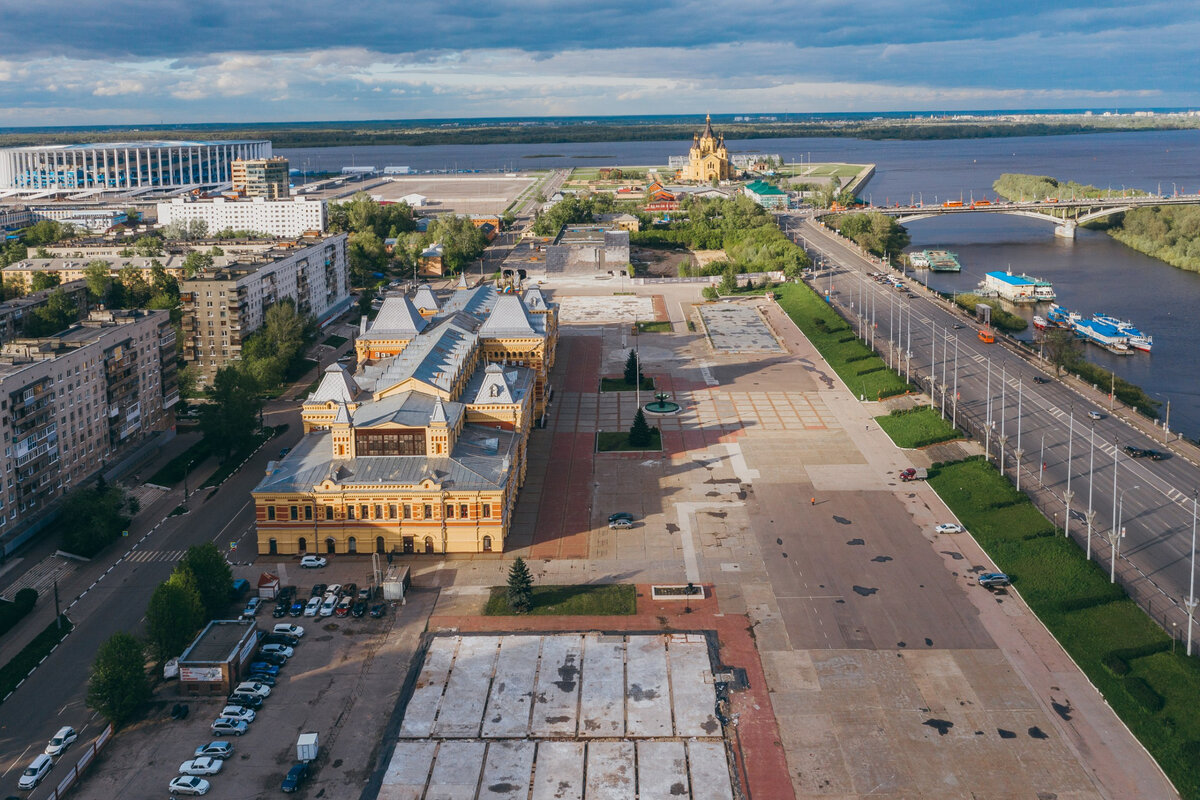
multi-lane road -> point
(1064, 449)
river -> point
(1092, 273)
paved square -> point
(738, 329)
(586, 716)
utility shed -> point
(214, 662)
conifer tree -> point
(639, 434)
(632, 373)
(520, 587)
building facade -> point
(125, 165)
(226, 304)
(708, 159)
(261, 177)
(765, 194)
(286, 218)
(13, 313)
(423, 450)
(73, 402)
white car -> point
(189, 784)
(238, 712)
(201, 766)
(34, 773)
(289, 629)
(61, 741)
(329, 605)
(313, 562)
(281, 649)
(1095, 415)
(313, 607)
(254, 688)
(949, 527)
(334, 589)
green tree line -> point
(1021, 187)
(876, 233)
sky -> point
(67, 62)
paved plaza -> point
(737, 329)
(565, 717)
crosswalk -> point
(155, 555)
(40, 576)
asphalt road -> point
(55, 694)
(1153, 499)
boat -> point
(1137, 340)
(1060, 317)
(942, 261)
(1016, 288)
(918, 260)
(1103, 334)
(1039, 322)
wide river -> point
(1092, 273)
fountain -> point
(661, 405)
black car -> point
(318, 590)
(349, 590)
(620, 515)
(245, 700)
(297, 609)
(263, 678)
(281, 638)
(358, 609)
(272, 658)
(378, 610)
(1040, 379)
(287, 594)
(281, 610)
(296, 776)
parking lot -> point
(341, 683)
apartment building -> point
(14, 312)
(226, 304)
(261, 177)
(73, 403)
(286, 218)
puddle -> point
(718, 514)
(841, 520)
(942, 726)
(779, 541)
(785, 555)
(1061, 710)
(856, 542)
(865, 591)
(672, 527)
(636, 692)
(928, 642)
(901, 644)
(1037, 733)
(840, 601)
(882, 559)
(955, 556)
(1006, 734)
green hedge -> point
(18, 668)
(13, 612)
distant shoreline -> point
(562, 131)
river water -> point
(1090, 274)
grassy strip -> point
(1154, 690)
(172, 472)
(1128, 393)
(606, 599)
(917, 427)
(862, 370)
(619, 385)
(18, 668)
(661, 326)
(234, 462)
(1001, 319)
(618, 442)
(333, 340)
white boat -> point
(1136, 339)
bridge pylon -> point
(1066, 230)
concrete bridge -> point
(1064, 214)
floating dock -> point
(1016, 288)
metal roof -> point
(336, 385)
(510, 318)
(397, 317)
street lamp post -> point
(1091, 512)
(1117, 534)
(1068, 495)
(1191, 601)
(954, 408)
(185, 485)
(1042, 462)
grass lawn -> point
(172, 471)
(231, 464)
(863, 371)
(663, 326)
(606, 599)
(31, 655)
(1155, 691)
(618, 442)
(917, 427)
(619, 385)
(333, 340)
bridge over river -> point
(1064, 214)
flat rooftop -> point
(218, 642)
(588, 716)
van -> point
(34, 773)
(239, 588)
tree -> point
(367, 256)
(211, 576)
(118, 686)
(148, 246)
(230, 419)
(1063, 349)
(174, 614)
(633, 372)
(729, 284)
(92, 518)
(639, 433)
(44, 280)
(98, 276)
(520, 587)
(196, 261)
(56, 314)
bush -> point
(1115, 664)
(1144, 695)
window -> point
(462, 511)
(378, 511)
(363, 511)
(407, 511)
(308, 512)
(392, 511)
(270, 512)
(428, 511)
(293, 512)
(487, 510)
(449, 511)
(349, 512)
(487, 544)
(328, 512)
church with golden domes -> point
(708, 158)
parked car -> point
(273, 658)
(993, 580)
(264, 668)
(265, 678)
(280, 638)
(313, 607)
(60, 741)
(297, 609)
(296, 776)
(251, 701)
(378, 610)
(318, 590)
(287, 594)
(289, 629)
(620, 523)
(189, 784)
(359, 608)
(216, 749)
(329, 605)
(313, 562)
(228, 727)
(620, 515)
(179, 711)
(34, 773)
(280, 610)
(334, 589)
(205, 765)
(949, 527)
(364, 594)
(252, 607)
(283, 451)
(253, 687)
(343, 607)
(276, 649)
(238, 712)
(349, 590)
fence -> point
(88, 756)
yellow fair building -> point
(423, 449)
(708, 159)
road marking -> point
(232, 520)
(19, 758)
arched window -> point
(487, 544)
(351, 545)
(330, 545)
(428, 544)
(301, 544)
(379, 544)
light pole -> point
(1019, 452)
(954, 408)
(1191, 601)
(1068, 495)
(1116, 450)
(1042, 463)
(1117, 534)
(1091, 512)
(185, 477)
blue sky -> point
(66, 62)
